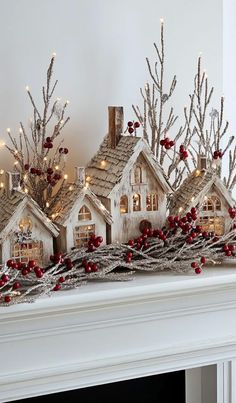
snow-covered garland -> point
(180, 246)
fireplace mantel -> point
(106, 332)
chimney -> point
(12, 182)
(116, 118)
(80, 176)
(201, 162)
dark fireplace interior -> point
(163, 388)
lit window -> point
(84, 214)
(212, 203)
(123, 204)
(25, 224)
(82, 235)
(212, 224)
(136, 202)
(152, 202)
(30, 250)
(137, 174)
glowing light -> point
(103, 207)
(197, 172)
(8, 130)
(1, 185)
(2, 144)
(45, 159)
(20, 130)
(26, 190)
(103, 163)
(65, 176)
(16, 163)
(53, 216)
(162, 21)
(88, 178)
(25, 177)
(56, 167)
(67, 102)
(193, 198)
(71, 188)
(54, 54)
(47, 204)
(27, 88)
(86, 185)
(16, 152)
(180, 209)
(62, 121)
(1, 171)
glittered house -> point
(204, 189)
(25, 231)
(78, 213)
(126, 177)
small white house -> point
(25, 231)
(204, 190)
(126, 177)
(78, 213)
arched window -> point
(137, 174)
(136, 202)
(212, 203)
(152, 202)
(217, 203)
(124, 204)
(84, 214)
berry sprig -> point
(183, 152)
(132, 126)
(94, 242)
(232, 212)
(89, 266)
(217, 154)
(198, 266)
(167, 143)
(228, 249)
(48, 143)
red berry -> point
(100, 239)
(7, 298)
(91, 248)
(198, 270)
(172, 143)
(57, 287)
(2, 283)
(203, 260)
(162, 142)
(225, 248)
(138, 246)
(65, 150)
(61, 279)
(96, 243)
(53, 182)
(50, 145)
(70, 266)
(193, 265)
(228, 253)
(131, 242)
(46, 145)
(10, 262)
(198, 228)
(15, 266)
(16, 285)
(231, 248)
(129, 254)
(38, 172)
(167, 146)
(130, 124)
(189, 239)
(176, 219)
(130, 130)
(88, 268)
(50, 171)
(48, 140)
(5, 278)
(181, 148)
(31, 264)
(25, 272)
(94, 267)
(26, 166)
(128, 259)
(194, 234)
(205, 234)
(39, 274)
(136, 125)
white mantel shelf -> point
(106, 332)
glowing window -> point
(82, 235)
(152, 202)
(124, 204)
(84, 214)
(136, 202)
(212, 203)
(25, 224)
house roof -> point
(195, 187)
(11, 206)
(103, 177)
(71, 194)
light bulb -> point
(54, 54)
(65, 176)
(27, 88)
(8, 130)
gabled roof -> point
(118, 162)
(195, 187)
(68, 196)
(10, 207)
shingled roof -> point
(109, 165)
(10, 207)
(194, 188)
(71, 194)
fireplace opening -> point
(163, 388)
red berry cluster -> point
(35, 171)
(51, 177)
(128, 257)
(187, 225)
(89, 267)
(232, 212)
(228, 249)
(58, 258)
(63, 150)
(48, 143)
(183, 152)
(94, 242)
(198, 267)
(167, 143)
(26, 268)
(217, 154)
(142, 241)
(131, 126)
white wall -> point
(101, 47)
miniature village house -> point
(127, 179)
(78, 213)
(25, 231)
(204, 189)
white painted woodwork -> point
(107, 332)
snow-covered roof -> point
(195, 187)
(109, 165)
(11, 206)
(70, 194)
